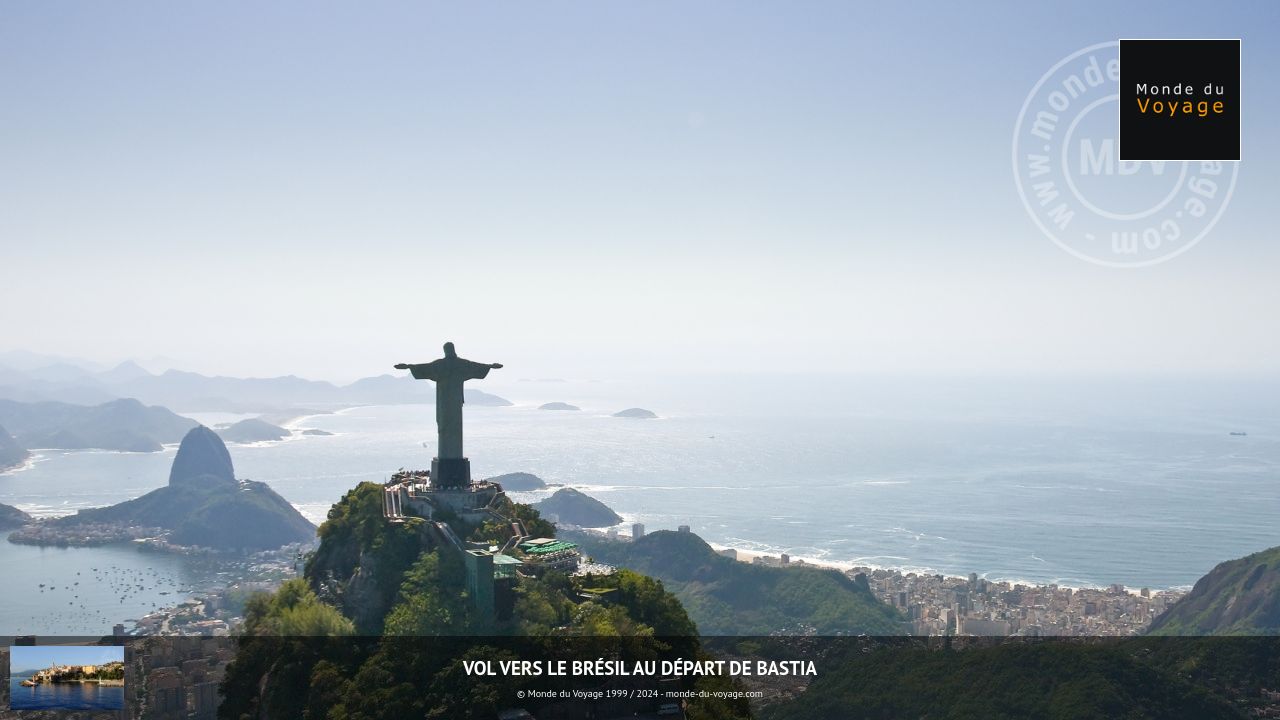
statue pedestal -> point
(450, 472)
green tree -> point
(294, 611)
(432, 599)
(362, 558)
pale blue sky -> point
(40, 657)
(327, 188)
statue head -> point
(449, 351)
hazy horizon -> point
(25, 361)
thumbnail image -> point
(66, 678)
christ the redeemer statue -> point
(450, 468)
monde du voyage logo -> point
(1124, 152)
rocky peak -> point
(202, 459)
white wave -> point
(589, 488)
(27, 464)
(40, 510)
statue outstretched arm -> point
(424, 371)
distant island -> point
(125, 425)
(558, 406)
(317, 432)
(253, 430)
(11, 453)
(519, 481)
(203, 506)
(11, 517)
(484, 399)
(577, 508)
(639, 413)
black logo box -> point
(1185, 67)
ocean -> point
(68, 696)
(1083, 482)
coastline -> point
(102, 683)
(293, 422)
(749, 556)
(936, 604)
(765, 556)
(747, 549)
(769, 540)
(27, 463)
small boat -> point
(28, 683)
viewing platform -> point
(410, 493)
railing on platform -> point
(391, 504)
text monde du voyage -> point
(647, 668)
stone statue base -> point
(450, 472)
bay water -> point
(1080, 481)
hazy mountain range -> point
(55, 402)
(115, 425)
(27, 377)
